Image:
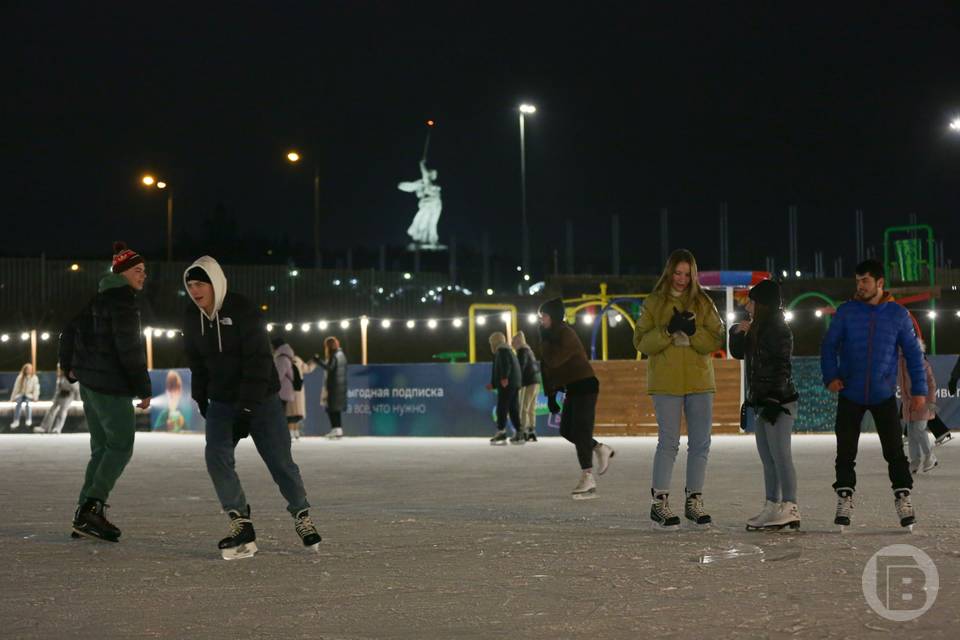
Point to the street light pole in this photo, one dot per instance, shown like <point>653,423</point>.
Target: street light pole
<point>525,230</point>
<point>170,226</point>
<point>317,257</point>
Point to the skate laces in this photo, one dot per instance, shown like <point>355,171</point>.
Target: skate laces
<point>845,506</point>
<point>904,505</point>
<point>662,508</point>
<point>236,525</point>
<point>304,525</point>
<point>695,504</point>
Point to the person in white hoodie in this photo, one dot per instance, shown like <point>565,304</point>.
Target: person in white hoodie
<point>235,385</point>
<point>26,389</point>
<point>63,396</point>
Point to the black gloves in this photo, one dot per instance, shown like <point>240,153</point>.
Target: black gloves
<point>552,404</point>
<point>953,386</point>
<point>770,410</point>
<point>203,404</point>
<point>682,321</point>
<point>241,424</point>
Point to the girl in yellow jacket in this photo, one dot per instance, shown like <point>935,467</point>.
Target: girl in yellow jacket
<point>678,329</point>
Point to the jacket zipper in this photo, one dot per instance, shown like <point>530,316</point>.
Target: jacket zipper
<point>866,388</point>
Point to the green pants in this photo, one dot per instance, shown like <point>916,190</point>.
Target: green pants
<point>112,426</point>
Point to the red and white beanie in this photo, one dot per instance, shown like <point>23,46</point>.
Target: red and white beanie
<point>124,258</point>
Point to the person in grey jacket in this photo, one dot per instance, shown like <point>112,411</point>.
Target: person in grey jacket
<point>506,379</point>
<point>63,396</point>
<point>335,385</point>
<point>529,385</point>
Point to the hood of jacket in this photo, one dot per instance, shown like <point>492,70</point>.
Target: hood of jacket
<point>112,281</point>
<point>217,279</point>
<point>284,350</point>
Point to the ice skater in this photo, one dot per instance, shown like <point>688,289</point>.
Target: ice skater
<point>63,396</point>
<point>858,360</point>
<point>26,390</point>
<point>678,329</point>
<point>505,379</point>
<point>103,348</point>
<point>235,384</point>
<point>334,385</point>
<point>529,385</point>
<point>765,343</point>
<point>916,420</point>
<point>565,368</point>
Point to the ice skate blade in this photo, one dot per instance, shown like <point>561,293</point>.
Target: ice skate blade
<point>586,495</point>
<point>656,526</point>
<point>313,548</point>
<point>500,443</point>
<point>239,552</point>
<point>775,528</point>
<point>86,534</point>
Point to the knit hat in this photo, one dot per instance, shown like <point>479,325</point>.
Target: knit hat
<point>554,309</point>
<point>124,258</point>
<point>198,274</point>
<point>767,293</point>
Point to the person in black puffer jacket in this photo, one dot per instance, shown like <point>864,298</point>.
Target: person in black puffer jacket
<point>529,385</point>
<point>766,344</point>
<point>235,385</point>
<point>103,348</point>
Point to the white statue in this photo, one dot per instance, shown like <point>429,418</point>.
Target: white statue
<point>423,229</point>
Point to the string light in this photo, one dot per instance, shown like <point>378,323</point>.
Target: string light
<point>481,320</point>
<point>587,318</point>
<point>385,323</point>
<point>411,324</point>
<point>44,336</point>
<point>431,324</point>
<point>322,325</point>
<point>288,326</point>
<point>305,327</point>
<point>532,318</point>
<point>457,323</point>
<point>344,324</point>
<point>25,336</point>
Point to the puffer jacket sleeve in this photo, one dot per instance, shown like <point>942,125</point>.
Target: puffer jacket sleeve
<point>910,346</point>
<point>738,343</point>
<point>771,375</point>
<point>649,338</point>
<point>67,347</point>
<point>256,359</point>
<point>709,335</point>
<point>830,347</point>
<point>131,351</point>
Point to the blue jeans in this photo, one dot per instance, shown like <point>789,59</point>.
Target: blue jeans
<point>698,409</point>
<point>268,429</point>
<point>21,402</point>
<point>773,445</point>
<point>917,440</point>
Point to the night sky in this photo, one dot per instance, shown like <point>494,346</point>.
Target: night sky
<point>640,106</point>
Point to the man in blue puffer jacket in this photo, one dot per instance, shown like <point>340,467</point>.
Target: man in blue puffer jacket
<point>858,359</point>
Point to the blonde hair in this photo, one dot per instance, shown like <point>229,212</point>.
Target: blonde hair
<point>663,285</point>
<point>23,369</point>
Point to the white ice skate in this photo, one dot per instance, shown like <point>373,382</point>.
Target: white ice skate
<point>787,517</point>
<point>914,467</point>
<point>770,509</point>
<point>904,508</point>
<point>586,489</point>
<point>335,434</point>
<point>603,455</point>
<point>929,462</point>
<point>844,508</point>
<point>944,439</point>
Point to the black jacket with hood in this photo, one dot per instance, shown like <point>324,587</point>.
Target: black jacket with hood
<point>229,352</point>
<point>769,373</point>
<point>103,345</point>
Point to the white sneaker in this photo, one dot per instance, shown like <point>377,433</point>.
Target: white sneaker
<point>787,516</point>
<point>770,509</point>
<point>586,488</point>
<point>335,434</point>
<point>39,430</point>
<point>929,462</point>
<point>603,455</point>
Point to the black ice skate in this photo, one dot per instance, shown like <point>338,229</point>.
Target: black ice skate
<point>500,438</point>
<point>693,510</point>
<point>944,439</point>
<point>307,531</point>
<point>90,521</point>
<point>518,438</point>
<point>663,517</point>
<point>531,435</point>
<point>241,541</point>
<point>905,508</point>
<point>844,508</point>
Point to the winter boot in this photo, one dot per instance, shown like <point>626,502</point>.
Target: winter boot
<point>307,531</point>
<point>770,509</point>
<point>586,488</point>
<point>603,454</point>
<point>500,438</point>
<point>90,520</point>
<point>787,516</point>
<point>844,507</point>
<point>663,517</point>
<point>693,509</point>
<point>904,508</point>
<point>241,541</point>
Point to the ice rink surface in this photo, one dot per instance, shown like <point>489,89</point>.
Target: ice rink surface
<point>453,538</point>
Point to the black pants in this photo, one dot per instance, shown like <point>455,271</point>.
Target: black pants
<point>576,425</point>
<point>887,419</point>
<point>508,403</point>
<point>334,419</point>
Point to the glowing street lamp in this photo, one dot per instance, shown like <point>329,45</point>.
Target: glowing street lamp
<point>294,157</point>
<point>955,124</point>
<point>525,110</point>
<point>151,181</point>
